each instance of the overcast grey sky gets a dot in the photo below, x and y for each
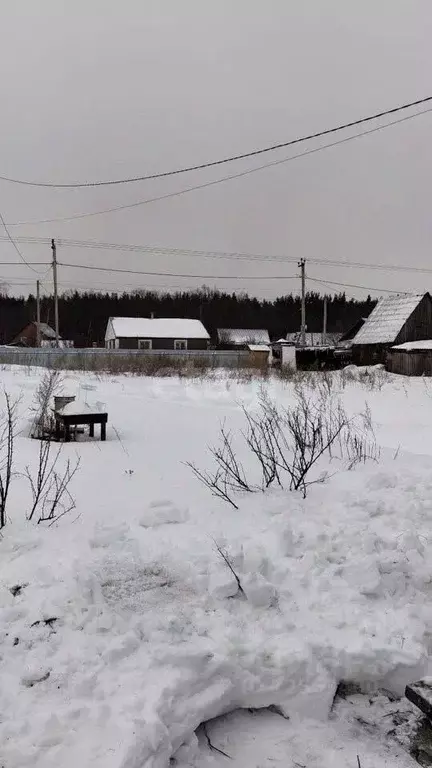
(96, 89)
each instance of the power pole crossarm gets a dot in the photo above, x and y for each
(302, 265)
(56, 313)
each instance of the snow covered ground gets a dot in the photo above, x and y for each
(147, 638)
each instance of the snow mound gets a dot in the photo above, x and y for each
(163, 512)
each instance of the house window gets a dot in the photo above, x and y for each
(180, 344)
(144, 343)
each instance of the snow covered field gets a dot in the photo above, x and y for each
(147, 638)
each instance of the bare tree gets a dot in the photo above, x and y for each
(7, 439)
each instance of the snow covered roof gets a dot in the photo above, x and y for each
(243, 336)
(313, 339)
(259, 347)
(387, 319)
(46, 330)
(157, 328)
(412, 346)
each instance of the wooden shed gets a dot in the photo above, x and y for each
(395, 320)
(411, 359)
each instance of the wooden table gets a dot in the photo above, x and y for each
(66, 421)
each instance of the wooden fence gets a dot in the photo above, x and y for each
(416, 362)
(113, 360)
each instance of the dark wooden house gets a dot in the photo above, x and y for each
(28, 336)
(162, 333)
(395, 320)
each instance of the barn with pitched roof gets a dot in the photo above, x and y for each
(395, 320)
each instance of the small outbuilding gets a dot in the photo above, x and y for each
(395, 320)
(162, 333)
(411, 359)
(312, 339)
(28, 337)
(242, 338)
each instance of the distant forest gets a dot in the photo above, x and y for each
(83, 316)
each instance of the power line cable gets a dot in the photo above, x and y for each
(229, 255)
(230, 159)
(351, 285)
(213, 183)
(26, 263)
(178, 274)
(12, 241)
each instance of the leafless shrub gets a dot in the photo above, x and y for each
(260, 438)
(290, 443)
(229, 475)
(326, 382)
(7, 439)
(228, 562)
(43, 422)
(373, 378)
(51, 498)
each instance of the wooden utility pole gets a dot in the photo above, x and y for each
(324, 333)
(302, 265)
(56, 313)
(38, 315)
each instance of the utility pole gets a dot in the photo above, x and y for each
(302, 265)
(324, 333)
(38, 315)
(56, 313)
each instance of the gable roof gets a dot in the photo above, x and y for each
(387, 319)
(353, 331)
(313, 339)
(243, 336)
(157, 328)
(46, 330)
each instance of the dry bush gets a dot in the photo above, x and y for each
(289, 443)
(8, 424)
(49, 385)
(51, 498)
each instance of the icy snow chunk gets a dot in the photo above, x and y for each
(222, 584)
(259, 592)
(363, 576)
(314, 700)
(381, 480)
(163, 512)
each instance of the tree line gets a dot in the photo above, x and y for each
(84, 315)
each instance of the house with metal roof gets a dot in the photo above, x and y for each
(395, 320)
